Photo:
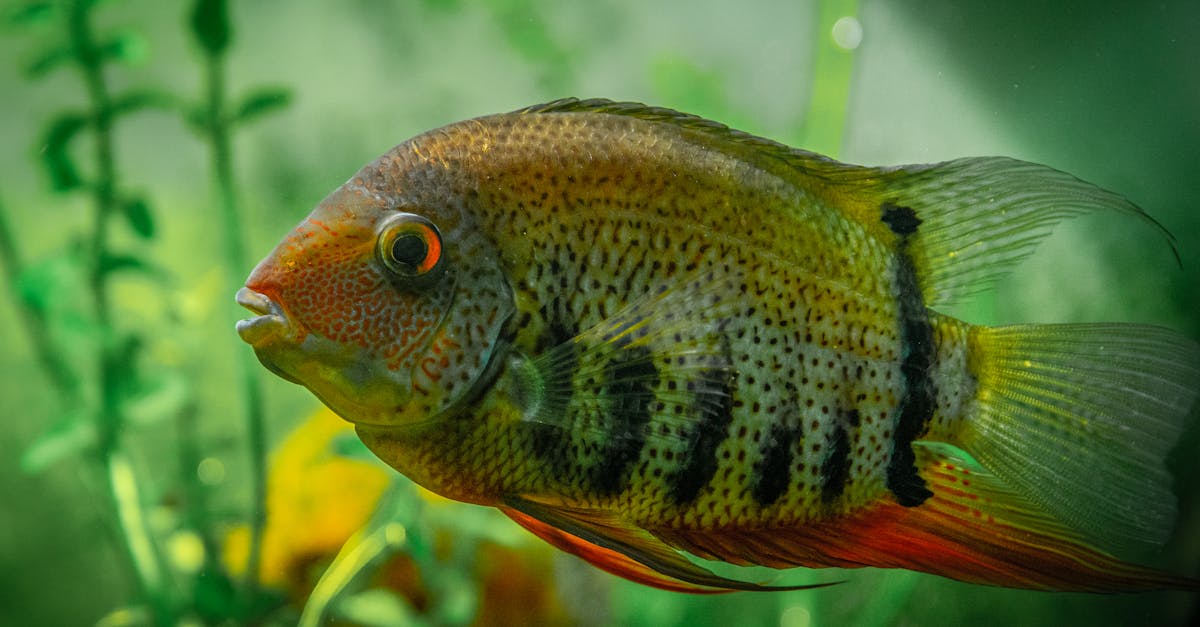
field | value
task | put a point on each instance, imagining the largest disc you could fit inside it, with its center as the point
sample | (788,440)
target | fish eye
(409,246)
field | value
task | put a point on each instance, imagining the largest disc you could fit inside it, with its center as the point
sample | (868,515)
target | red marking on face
(429,367)
(324,227)
(328,280)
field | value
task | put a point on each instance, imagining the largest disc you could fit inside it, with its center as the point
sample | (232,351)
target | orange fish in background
(640,333)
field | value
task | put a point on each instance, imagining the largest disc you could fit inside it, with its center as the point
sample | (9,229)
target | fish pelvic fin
(1079,418)
(625,550)
(973,529)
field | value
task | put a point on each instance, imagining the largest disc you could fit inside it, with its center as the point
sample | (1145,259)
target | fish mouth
(270,323)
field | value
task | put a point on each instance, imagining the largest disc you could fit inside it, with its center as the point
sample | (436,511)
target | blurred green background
(1108,91)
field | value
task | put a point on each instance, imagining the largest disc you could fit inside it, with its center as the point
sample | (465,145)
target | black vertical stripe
(774,471)
(917,400)
(835,470)
(629,390)
(559,327)
(714,389)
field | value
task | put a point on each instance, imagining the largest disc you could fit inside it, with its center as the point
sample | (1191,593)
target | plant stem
(140,548)
(61,376)
(235,265)
(825,122)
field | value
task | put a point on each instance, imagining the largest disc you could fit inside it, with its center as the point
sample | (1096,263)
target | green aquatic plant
(101,399)
(112,380)
(214,120)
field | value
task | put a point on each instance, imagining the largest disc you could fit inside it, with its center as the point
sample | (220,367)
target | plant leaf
(56,157)
(127,47)
(46,63)
(197,118)
(69,436)
(161,394)
(32,13)
(261,102)
(375,607)
(210,25)
(122,263)
(137,213)
(140,99)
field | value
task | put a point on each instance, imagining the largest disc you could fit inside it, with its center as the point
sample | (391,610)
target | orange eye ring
(409,246)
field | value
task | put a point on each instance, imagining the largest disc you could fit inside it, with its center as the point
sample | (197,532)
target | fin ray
(1080,418)
(981,215)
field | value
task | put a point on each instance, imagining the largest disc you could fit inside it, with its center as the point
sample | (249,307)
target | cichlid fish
(642,334)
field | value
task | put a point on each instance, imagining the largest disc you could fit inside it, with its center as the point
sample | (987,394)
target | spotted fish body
(643,333)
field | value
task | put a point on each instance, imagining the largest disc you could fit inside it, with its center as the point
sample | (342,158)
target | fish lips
(270,323)
(270,328)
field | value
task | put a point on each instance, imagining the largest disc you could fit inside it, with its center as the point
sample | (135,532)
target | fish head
(387,301)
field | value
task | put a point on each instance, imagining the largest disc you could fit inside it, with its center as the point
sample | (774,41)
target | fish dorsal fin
(967,222)
(743,144)
(624,550)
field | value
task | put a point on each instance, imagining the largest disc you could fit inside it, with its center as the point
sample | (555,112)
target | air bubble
(847,33)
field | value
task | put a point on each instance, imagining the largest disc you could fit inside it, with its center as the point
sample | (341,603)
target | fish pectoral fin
(663,357)
(623,549)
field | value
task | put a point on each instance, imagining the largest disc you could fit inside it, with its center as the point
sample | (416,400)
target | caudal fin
(1079,418)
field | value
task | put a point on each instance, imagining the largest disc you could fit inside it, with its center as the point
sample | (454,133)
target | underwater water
(144,442)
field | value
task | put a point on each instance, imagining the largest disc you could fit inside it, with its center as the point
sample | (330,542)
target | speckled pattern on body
(805,346)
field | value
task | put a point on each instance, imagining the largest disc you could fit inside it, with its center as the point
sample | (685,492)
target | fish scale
(638,332)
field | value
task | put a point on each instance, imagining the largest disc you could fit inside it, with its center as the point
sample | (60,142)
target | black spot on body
(774,472)
(558,332)
(711,428)
(552,444)
(550,435)
(629,389)
(835,470)
(903,221)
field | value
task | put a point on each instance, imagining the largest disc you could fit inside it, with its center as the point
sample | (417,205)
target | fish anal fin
(973,529)
(624,550)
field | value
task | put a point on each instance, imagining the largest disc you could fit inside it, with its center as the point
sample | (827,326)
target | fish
(653,340)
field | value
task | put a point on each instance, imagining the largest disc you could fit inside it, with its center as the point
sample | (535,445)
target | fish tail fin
(1079,418)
